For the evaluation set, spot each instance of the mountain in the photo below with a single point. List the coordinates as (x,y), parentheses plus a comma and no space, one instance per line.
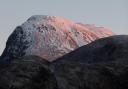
(49,37)
(102,50)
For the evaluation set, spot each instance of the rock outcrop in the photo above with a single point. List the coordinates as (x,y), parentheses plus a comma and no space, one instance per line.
(49,37)
(102,50)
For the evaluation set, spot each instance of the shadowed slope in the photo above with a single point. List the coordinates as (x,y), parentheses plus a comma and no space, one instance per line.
(102,50)
(33,72)
(89,76)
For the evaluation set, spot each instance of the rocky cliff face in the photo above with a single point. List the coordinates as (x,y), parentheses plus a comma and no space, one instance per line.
(49,37)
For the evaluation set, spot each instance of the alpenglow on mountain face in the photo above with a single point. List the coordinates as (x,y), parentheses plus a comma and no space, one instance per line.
(50,37)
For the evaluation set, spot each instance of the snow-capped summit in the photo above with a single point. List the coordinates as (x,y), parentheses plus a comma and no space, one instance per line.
(49,37)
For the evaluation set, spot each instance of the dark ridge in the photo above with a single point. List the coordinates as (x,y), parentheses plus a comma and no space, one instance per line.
(32,72)
(103,50)
(92,76)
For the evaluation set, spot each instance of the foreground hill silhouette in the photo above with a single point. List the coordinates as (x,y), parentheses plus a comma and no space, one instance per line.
(50,37)
(32,72)
(89,76)
(103,50)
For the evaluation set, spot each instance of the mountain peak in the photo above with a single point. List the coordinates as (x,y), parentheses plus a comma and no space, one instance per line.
(49,37)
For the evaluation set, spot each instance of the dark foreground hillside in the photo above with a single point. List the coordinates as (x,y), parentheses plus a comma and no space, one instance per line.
(103,50)
(32,72)
(89,76)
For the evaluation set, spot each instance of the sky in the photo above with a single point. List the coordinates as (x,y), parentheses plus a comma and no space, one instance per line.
(112,14)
